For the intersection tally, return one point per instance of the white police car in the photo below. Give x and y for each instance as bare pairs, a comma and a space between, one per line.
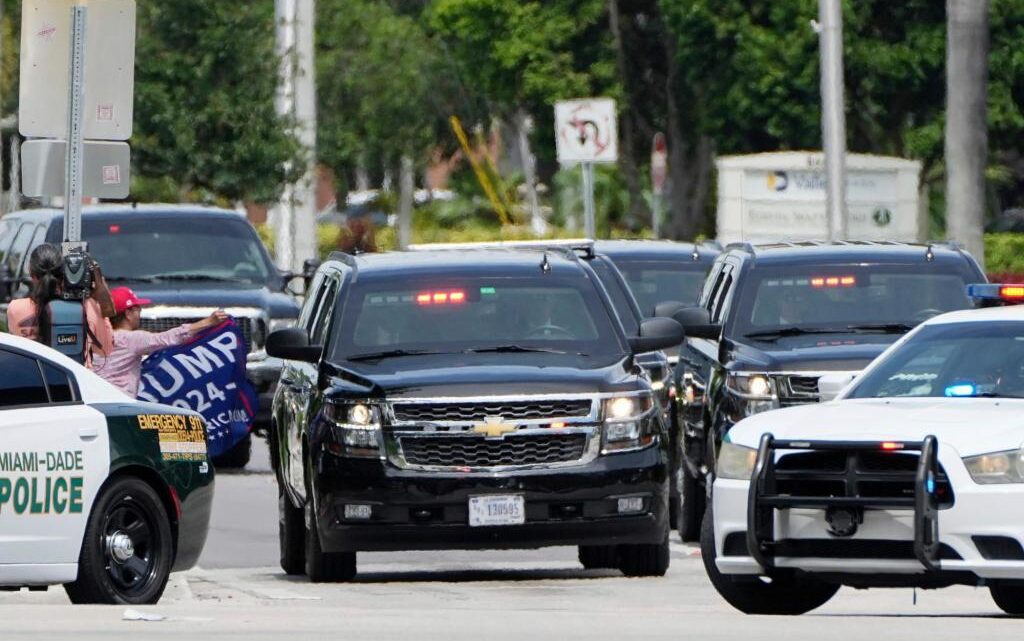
100, 492
914, 477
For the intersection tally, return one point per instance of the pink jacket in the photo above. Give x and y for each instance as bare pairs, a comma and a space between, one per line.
124, 366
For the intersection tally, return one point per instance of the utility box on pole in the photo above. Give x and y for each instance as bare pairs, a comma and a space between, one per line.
782, 196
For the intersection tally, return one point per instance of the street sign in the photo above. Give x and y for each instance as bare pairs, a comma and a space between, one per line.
585, 131
109, 69
105, 168
659, 163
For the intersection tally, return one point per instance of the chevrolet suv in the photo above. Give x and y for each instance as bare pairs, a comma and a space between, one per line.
485, 398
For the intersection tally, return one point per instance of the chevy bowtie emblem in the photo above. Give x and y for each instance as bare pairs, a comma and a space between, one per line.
495, 427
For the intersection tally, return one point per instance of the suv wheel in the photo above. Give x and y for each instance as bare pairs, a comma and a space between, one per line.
689, 505
237, 457
644, 559
784, 594
1009, 597
324, 567
596, 557
291, 534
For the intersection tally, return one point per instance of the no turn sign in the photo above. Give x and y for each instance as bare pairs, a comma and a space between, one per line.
585, 131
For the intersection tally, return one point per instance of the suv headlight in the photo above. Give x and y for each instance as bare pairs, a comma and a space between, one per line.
357, 427
997, 467
752, 393
627, 423
735, 462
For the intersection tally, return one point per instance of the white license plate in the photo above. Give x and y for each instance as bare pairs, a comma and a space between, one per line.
502, 509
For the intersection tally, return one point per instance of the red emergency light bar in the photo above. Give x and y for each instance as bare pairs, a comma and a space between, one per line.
1007, 292
833, 281
1012, 292
890, 446
441, 298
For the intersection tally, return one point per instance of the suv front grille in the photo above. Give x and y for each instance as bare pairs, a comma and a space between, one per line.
253, 330
478, 412
477, 451
803, 385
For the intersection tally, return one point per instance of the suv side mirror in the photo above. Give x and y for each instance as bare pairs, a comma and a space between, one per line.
292, 344
829, 385
697, 323
655, 334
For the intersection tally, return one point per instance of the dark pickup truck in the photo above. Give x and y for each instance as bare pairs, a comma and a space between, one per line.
189, 260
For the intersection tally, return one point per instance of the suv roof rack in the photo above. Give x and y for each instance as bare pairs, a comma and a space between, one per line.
574, 247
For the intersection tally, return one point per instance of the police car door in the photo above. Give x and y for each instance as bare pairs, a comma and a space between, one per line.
54, 455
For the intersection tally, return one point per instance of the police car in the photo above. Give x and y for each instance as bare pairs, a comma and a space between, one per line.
100, 492
914, 477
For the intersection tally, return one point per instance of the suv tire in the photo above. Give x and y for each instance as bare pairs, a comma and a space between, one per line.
291, 534
597, 557
1009, 597
237, 457
324, 567
786, 594
689, 505
128, 506
644, 559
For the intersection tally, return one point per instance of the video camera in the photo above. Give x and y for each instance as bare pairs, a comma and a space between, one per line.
78, 272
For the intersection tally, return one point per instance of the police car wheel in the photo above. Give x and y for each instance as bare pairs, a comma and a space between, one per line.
596, 557
127, 550
782, 594
237, 457
291, 531
1009, 597
325, 567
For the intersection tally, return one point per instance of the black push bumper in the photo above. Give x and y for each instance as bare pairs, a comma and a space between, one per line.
429, 510
773, 488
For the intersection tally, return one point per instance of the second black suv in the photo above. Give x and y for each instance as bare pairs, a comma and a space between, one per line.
773, 320
470, 399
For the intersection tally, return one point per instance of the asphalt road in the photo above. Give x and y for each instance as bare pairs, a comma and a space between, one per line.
239, 593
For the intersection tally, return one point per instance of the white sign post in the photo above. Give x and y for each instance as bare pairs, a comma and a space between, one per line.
586, 133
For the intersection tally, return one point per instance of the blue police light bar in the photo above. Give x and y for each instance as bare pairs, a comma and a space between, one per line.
996, 291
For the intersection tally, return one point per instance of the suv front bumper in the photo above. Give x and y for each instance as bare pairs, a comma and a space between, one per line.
412, 510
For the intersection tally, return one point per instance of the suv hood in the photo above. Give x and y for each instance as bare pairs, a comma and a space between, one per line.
824, 352
465, 375
970, 426
214, 294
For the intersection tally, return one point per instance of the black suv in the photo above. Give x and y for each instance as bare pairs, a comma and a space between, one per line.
470, 399
773, 320
189, 260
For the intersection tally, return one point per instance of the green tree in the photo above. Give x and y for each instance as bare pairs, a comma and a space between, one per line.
205, 81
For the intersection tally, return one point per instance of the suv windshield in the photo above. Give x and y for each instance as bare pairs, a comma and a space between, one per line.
195, 248
467, 314
655, 282
954, 360
845, 298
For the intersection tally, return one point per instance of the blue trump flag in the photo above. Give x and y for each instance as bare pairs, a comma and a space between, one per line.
207, 375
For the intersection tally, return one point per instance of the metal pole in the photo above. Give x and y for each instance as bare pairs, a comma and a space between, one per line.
589, 222
75, 143
281, 219
305, 210
833, 115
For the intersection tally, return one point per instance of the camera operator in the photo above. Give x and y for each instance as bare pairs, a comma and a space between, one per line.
30, 317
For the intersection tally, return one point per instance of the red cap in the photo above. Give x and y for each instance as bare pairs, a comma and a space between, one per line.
125, 298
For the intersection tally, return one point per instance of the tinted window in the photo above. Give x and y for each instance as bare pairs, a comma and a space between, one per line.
457, 314
657, 282
18, 249
37, 239
151, 248
836, 296
318, 334
21, 383
952, 360
619, 295
59, 383
7, 229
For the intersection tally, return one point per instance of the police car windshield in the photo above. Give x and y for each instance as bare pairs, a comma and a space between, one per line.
655, 282
845, 298
546, 317
194, 248
952, 360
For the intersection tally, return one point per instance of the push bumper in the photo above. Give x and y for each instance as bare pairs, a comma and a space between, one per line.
979, 537
429, 511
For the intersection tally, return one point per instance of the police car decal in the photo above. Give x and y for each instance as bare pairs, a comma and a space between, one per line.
914, 477
98, 491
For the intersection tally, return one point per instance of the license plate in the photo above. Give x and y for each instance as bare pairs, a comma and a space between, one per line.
503, 509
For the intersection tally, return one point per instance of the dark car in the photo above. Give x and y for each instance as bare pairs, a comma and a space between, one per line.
189, 260
661, 270
773, 320
473, 399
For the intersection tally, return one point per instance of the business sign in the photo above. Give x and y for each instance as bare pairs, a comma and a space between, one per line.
109, 69
585, 131
206, 375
